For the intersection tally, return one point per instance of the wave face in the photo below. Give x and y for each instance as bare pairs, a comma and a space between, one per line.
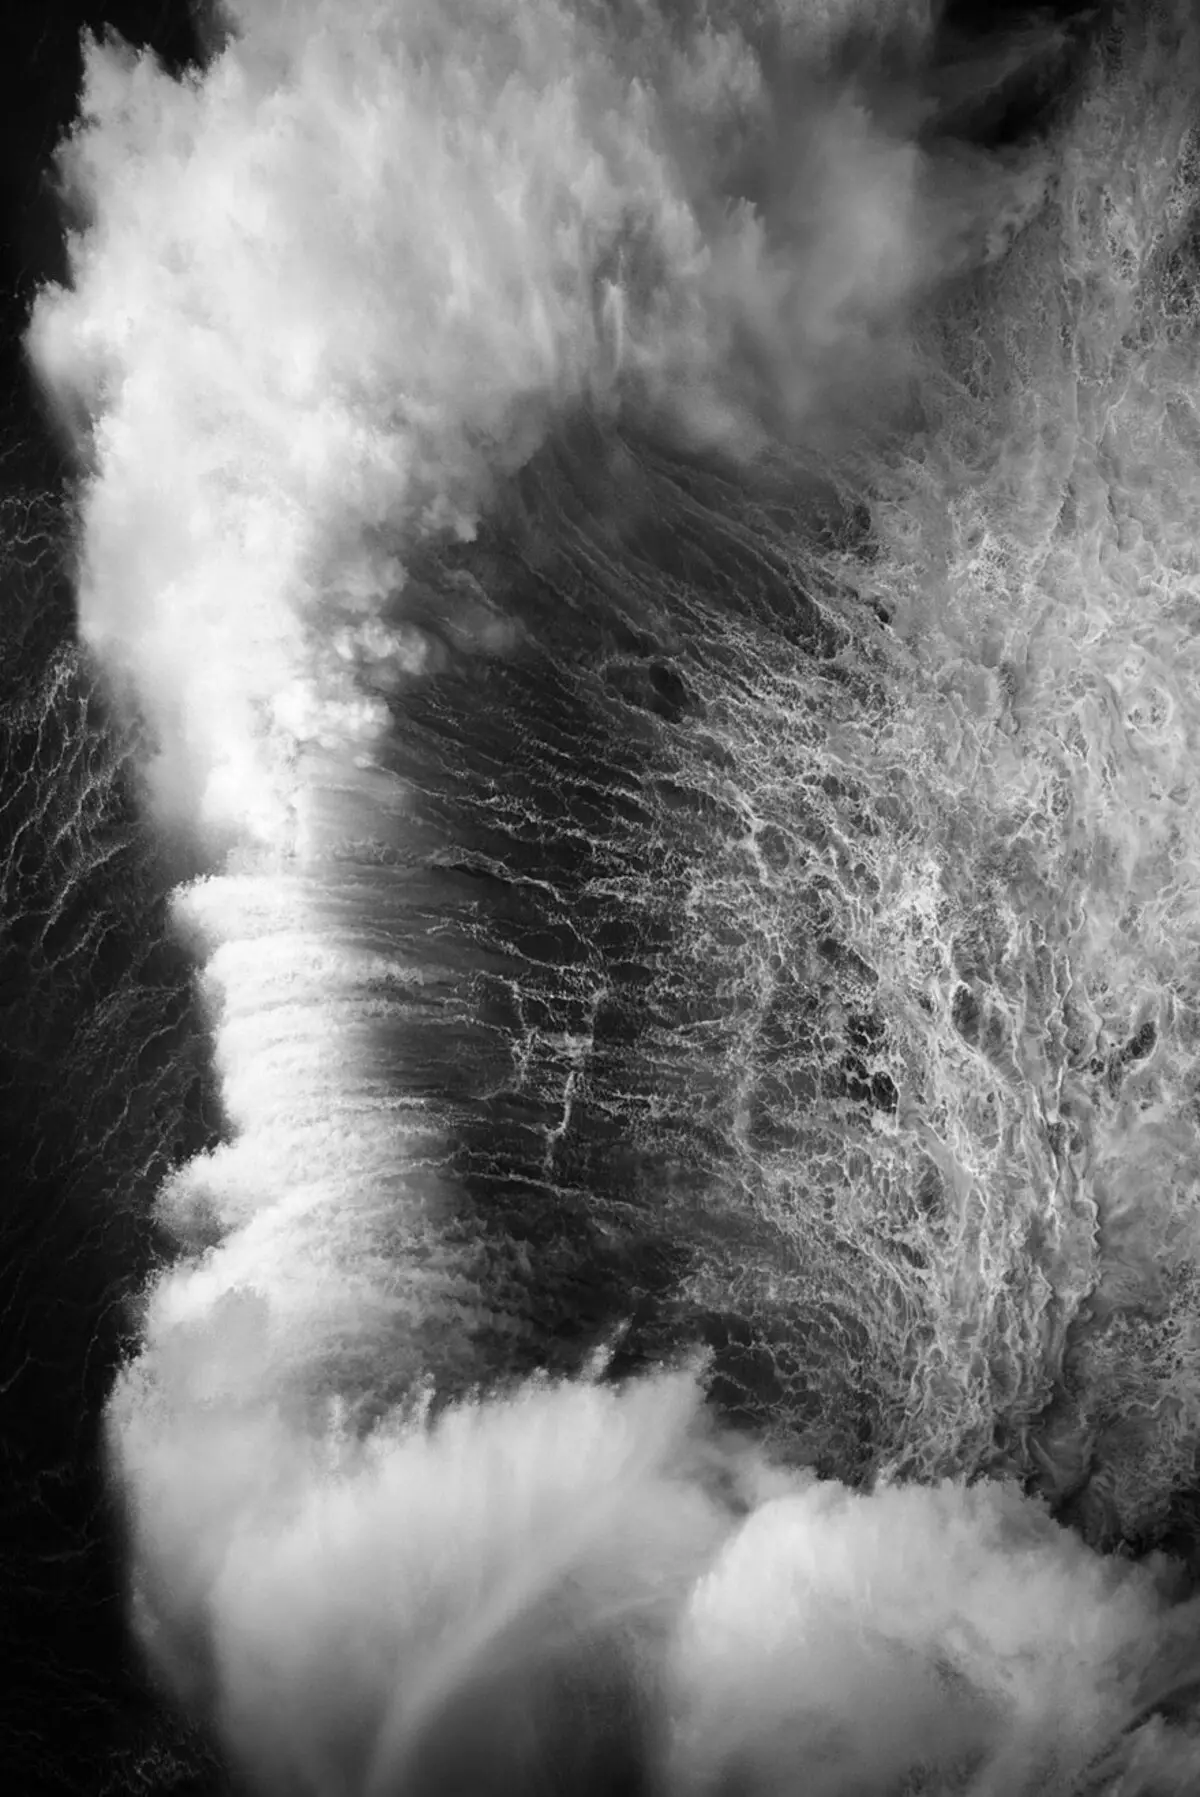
649, 553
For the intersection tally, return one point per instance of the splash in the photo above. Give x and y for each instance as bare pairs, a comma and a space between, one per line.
659, 577
556, 1587
333, 289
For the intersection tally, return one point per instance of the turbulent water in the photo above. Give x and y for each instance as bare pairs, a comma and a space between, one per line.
641, 559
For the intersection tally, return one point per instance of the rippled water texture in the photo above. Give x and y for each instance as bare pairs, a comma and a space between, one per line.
648, 555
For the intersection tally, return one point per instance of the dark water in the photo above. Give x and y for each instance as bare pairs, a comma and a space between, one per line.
613, 862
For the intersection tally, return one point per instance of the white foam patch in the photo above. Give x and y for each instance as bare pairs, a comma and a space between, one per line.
327, 1196
946, 1634
525, 1589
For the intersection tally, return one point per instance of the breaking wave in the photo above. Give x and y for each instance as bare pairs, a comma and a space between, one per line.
648, 553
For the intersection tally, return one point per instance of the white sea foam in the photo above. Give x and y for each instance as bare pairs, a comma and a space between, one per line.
328, 296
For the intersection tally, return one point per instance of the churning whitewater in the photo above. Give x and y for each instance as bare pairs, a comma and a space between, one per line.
653, 560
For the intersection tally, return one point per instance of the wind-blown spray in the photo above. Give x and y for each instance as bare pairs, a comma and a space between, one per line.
337, 304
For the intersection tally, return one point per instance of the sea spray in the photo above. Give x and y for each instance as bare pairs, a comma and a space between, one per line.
343, 308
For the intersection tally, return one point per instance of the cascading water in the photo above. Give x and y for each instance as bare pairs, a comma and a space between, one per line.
657, 574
